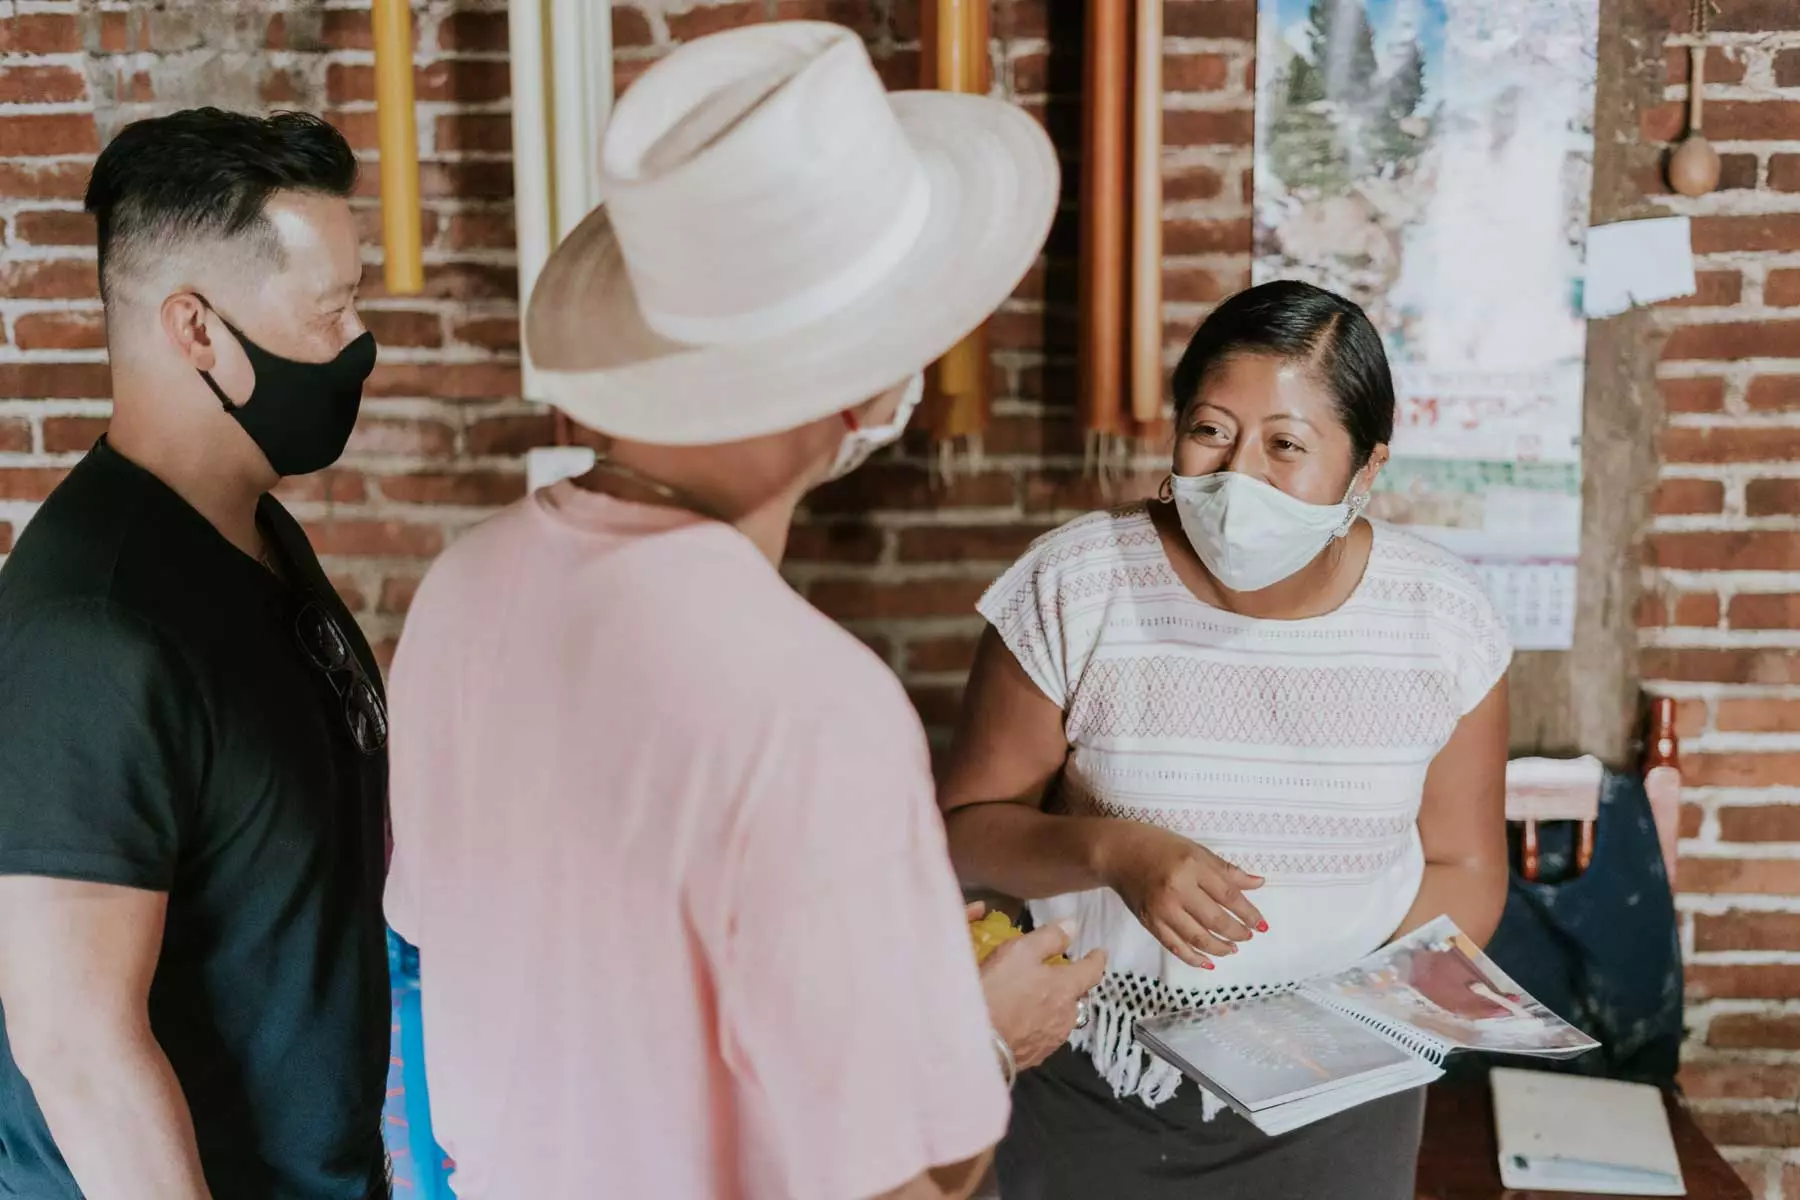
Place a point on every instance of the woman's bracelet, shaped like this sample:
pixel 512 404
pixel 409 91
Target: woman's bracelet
pixel 1009 1066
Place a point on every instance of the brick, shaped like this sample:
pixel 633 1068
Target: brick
pixel 1750 1128
pixel 478 179
pixel 1208 127
pixel 1053 434
pixel 1757 231
pixel 44 181
pixel 509 436
pixel 630 27
pixel 386 539
pixel 1722 66
pixel 626 72
pixel 475 32
pixel 1192 285
pixel 455 281
pixel 360 127
pixel 998 544
pixel 1761 823
pixel 1754 1031
pixel 1662 122
pixel 1773 393
pixel 1195 182
pixel 854 13
pixel 941 654
pixel 379 437
pixel 1740 1080
pixel 55 381
pixel 1730 444
pixel 350 592
pixel 1782 289
pixel 1188 236
pixel 486 489
pixel 60 330
pixel 714 18
pixel 15 435
pixel 861 599
pixel 1692 818
pixel 483 230
pixel 448 80
pixel 1708 665
pixel 50 279
pixel 448 381
pixel 29 483
pixel 1210 19
pixel 1763 715
pixel 838 542
pixel 332 486
pixel 1763 610
pixel 1787 68
pixel 1031 73
pixel 475 133
pixel 1734 339
pixel 1744 16
pixel 48 135
pixel 1752 120
pixel 1695 610
pixel 1772 497
pixel 1744 876
pixel 1754 550
pixel 6 537
pixel 893 486
pixel 1784 172
pixel 40 33
pixel 1712 289
pixel 497 334
pixel 41 85
pixel 1737 173
pixel 397 594
pixel 1743 770
pixel 400 328
pixel 1195 72
pixel 72 435
pixel 281 88
pixel 1677 497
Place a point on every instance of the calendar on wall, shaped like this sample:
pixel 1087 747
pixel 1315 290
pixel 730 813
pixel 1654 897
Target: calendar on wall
pixel 1432 160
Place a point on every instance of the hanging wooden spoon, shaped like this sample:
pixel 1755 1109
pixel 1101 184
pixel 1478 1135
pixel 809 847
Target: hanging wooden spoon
pixel 1694 166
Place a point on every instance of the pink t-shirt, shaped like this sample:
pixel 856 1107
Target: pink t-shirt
pixel 666 840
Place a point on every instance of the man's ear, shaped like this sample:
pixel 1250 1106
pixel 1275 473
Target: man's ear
pixel 183 318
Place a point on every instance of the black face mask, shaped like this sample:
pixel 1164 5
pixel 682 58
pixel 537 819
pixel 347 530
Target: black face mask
pixel 299 414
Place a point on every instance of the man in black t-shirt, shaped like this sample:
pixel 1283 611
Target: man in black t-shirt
pixel 193 979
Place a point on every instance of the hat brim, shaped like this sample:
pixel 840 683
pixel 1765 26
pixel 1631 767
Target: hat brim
pixel 994 187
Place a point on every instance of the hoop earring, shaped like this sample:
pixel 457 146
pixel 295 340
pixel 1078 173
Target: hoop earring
pixel 1166 493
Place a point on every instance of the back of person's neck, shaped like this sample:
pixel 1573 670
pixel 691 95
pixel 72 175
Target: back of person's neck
pixel 754 487
pixel 202 465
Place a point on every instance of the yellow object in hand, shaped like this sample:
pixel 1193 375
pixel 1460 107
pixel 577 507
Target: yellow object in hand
pixel 995 930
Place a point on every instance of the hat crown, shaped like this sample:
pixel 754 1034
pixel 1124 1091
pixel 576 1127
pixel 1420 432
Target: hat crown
pixel 759 180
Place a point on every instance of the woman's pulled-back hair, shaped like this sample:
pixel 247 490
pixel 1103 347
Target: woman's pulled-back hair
pixel 1296 321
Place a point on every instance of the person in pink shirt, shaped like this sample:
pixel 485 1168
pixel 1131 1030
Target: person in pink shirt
pixel 664 835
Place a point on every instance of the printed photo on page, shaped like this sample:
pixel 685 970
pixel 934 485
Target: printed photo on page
pixel 1437 980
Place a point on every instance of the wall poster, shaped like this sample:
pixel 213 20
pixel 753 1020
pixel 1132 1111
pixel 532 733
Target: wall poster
pixel 1432 160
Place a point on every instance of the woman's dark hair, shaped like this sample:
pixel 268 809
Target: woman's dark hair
pixel 1296 321
pixel 188 182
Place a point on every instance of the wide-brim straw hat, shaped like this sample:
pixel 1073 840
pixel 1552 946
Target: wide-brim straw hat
pixel 781 239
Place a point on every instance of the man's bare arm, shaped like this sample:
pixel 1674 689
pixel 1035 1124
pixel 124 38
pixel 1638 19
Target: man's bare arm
pixel 76 960
pixel 956 1181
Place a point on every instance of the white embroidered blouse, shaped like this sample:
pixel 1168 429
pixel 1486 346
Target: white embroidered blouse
pixel 1295 749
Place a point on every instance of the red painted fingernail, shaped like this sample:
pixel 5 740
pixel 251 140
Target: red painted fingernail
pixel 1206 966
pixel 1262 927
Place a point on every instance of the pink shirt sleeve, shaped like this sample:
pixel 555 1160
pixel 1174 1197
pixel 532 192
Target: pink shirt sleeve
pixel 850 1011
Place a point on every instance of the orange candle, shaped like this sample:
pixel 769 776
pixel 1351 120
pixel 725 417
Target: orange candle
pixel 1103 216
pixel 399 143
pixel 1146 217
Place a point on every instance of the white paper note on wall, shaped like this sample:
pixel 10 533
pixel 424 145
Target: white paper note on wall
pixel 1637 262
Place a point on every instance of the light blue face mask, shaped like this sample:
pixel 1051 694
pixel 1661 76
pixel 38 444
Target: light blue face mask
pixel 1251 534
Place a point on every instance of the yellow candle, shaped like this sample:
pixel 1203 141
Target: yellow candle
pixel 399 140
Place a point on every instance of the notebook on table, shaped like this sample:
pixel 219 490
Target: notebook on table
pixel 1566 1133
pixel 1380 1026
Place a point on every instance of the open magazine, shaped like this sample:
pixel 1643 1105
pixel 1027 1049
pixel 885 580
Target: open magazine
pixel 1381 1026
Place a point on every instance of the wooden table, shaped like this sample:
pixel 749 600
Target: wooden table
pixel 1460 1159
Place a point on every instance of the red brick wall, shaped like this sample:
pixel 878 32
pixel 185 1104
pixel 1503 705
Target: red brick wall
pixel 897 559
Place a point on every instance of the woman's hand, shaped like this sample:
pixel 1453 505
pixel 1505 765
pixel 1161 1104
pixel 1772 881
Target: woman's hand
pixel 1032 1003
pixel 1190 899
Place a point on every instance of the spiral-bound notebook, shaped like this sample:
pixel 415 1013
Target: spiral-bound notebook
pixel 1381 1026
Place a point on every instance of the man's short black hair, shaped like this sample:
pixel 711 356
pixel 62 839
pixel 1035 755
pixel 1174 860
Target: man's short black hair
pixel 204 175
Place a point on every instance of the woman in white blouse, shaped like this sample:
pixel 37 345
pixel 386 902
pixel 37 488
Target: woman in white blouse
pixel 1242 736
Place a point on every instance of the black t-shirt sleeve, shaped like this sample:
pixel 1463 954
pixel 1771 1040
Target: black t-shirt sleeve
pixel 103 748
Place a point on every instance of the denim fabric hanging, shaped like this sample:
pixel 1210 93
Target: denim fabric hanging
pixel 1600 948
pixel 421 1169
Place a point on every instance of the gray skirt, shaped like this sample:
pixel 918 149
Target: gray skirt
pixel 1070 1139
